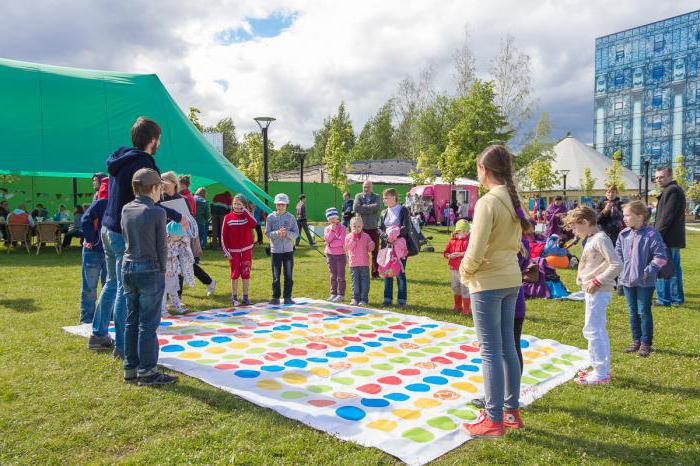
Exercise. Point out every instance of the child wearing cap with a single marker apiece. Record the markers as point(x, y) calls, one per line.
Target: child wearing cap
point(180, 263)
point(237, 243)
point(334, 235)
point(454, 252)
point(281, 229)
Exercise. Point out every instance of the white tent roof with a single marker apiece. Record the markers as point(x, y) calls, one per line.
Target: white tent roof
point(571, 154)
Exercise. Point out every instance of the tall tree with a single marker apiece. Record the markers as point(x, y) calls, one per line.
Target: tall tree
point(540, 175)
point(464, 66)
point(587, 181)
point(411, 98)
point(250, 156)
point(376, 140)
point(539, 144)
point(321, 136)
point(680, 174)
point(512, 81)
point(286, 157)
point(614, 172)
point(336, 158)
point(193, 116)
point(227, 128)
point(433, 125)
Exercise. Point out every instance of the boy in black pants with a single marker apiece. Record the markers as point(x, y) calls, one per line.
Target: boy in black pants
point(143, 228)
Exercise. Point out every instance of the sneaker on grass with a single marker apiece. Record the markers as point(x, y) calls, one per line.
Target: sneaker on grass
point(157, 378)
point(100, 343)
point(211, 288)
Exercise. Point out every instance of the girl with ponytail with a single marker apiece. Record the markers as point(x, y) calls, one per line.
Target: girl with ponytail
point(491, 271)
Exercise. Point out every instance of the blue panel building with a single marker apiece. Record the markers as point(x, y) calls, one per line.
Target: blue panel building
point(647, 93)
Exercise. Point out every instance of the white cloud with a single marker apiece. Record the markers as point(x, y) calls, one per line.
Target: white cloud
point(355, 51)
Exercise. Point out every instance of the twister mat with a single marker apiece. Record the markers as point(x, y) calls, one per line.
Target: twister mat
point(397, 382)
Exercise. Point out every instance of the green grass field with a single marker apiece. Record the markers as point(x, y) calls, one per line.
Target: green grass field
point(60, 403)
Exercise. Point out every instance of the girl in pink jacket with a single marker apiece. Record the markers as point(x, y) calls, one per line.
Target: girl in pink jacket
point(359, 246)
point(334, 235)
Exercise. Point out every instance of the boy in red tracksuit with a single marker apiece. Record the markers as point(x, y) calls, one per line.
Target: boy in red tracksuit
point(454, 252)
point(237, 243)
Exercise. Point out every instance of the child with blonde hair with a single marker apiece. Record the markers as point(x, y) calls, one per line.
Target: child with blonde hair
point(359, 246)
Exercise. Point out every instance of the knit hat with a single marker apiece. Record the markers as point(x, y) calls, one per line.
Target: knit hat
point(174, 229)
point(462, 225)
point(331, 212)
point(281, 198)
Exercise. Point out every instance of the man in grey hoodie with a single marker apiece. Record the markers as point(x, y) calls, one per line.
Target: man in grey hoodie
point(367, 205)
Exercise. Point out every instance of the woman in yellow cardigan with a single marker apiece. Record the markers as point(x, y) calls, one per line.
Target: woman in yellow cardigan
point(490, 269)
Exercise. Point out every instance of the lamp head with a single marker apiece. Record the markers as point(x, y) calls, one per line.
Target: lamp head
point(263, 122)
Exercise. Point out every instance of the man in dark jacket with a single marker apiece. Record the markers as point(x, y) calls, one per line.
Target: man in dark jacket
point(670, 223)
point(121, 165)
point(367, 205)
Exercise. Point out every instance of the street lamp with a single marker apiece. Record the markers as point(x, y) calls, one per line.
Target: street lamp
point(264, 123)
point(645, 164)
point(301, 155)
point(564, 173)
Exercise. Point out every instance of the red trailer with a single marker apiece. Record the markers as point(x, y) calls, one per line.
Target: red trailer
point(435, 195)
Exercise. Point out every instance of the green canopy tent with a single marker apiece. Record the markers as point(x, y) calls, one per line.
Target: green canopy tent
point(58, 121)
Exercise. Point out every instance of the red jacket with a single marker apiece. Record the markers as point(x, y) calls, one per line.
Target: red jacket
point(237, 232)
point(456, 245)
point(187, 194)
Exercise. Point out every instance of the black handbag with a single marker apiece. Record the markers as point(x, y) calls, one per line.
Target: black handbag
point(668, 270)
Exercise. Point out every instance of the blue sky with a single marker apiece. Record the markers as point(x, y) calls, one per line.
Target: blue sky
point(256, 28)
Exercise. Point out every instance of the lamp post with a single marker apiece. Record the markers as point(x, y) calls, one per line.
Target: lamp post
point(564, 173)
point(645, 163)
point(264, 123)
point(301, 155)
point(639, 179)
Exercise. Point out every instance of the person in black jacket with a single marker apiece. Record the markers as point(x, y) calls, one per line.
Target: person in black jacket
point(670, 223)
point(610, 214)
point(395, 214)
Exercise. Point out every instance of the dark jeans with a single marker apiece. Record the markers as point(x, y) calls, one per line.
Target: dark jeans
point(304, 226)
point(93, 269)
point(374, 234)
point(259, 233)
point(199, 272)
point(217, 222)
point(69, 236)
point(203, 228)
point(641, 321)
point(389, 287)
point(670, 290)
point(281, 261)
point(517, 332)
point(144, 284)
point(360, 283)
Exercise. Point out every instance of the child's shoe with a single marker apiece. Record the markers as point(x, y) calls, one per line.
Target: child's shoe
point(511, 419)
point(362, 303)
point(591, 378)
point(211, 287)
point(466, 306)
point(485, 428)
point(331, 298)
point(275, 301)
point(246, 300)
point(645, 350)
point(354, 302)
point(157, 378)
point(234, 300)
point(458, 303)
point(633, 347)
point(178, 311)
point(339, 298)
point(386, 303)
point(289, 301)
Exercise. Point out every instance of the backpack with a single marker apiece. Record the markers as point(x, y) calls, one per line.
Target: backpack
point(389, 265)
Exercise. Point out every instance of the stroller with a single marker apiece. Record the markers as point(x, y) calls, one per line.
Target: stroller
point(424, 241)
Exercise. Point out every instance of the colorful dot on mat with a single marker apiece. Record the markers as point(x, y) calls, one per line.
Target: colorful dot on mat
point(432, 349)
point(300, 325)
point(246, 374)
point(352, 339)
point(190, 355)
point(162, 341)
point(321, 403)
point(292, 395)
point(425, 403)
point(226, 367)
point(416, 331)
point(317, 346)
point(386, 339)
point(261, 331)
point(468, 368)
point(442, 423)
point(400, 360)
point(372, 344)
point(297, 352)
point(336, 354)
point(456, 355)
point(271, 368)
point(547, 350)
point(343, 380)
point(371, 388)
point(166, 324)
point(391, 350)
point(227, 330)
point(237, 345)
point(319, 388)
point(524, 343)
point(435, 380)
point(452, 373)
point(397, 397)
point(406, 414)
point(390, 380)
point(465, 414)
point(382, 366)
point(318, 360)
point(422, 341)
point(469, 348)
point(215, 350)
point(182, 337)
point(384, 425)
point(294, 378)
point(419, 435)
point(479, 379)
point(539, 374)
point(441, 360)
point(355, 349)
point(409, 372)
point(299, 363)
point(280, 328)
point(320, 371)
point(464, 386)
point(251, 362)
point(477, 360)
point(197, 343)
point(374, 402)
point(362, 372)
point(273, 356)
point(269, 385)
point(418, 387)
point(367, 335)
point(375, 354)
point(220, 339)
point(529, 380)
point(359, 359)
point(172, 348)
point(532, 354)
point(403, 336)
point(351, 413)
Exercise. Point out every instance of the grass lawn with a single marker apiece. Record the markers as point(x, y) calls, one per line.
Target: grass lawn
point(60, 403)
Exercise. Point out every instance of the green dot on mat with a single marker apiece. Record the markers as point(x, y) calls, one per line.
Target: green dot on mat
point(319, 388)
point(457, 340)
point(551, 368)
point(207, 361)
point(232, 356)
point(297, 341)
point(418, 434)
point(571, 357)
point(255, 350)
point(343, 380)
point(348, 331)
point(539, 374)
point(292, 395)
point(392, 319)
point(277, 344)
point(364, 327)
point(400, 360)
point(561, 361)
point(442, 422)
point(187, 331)
point(382, 366)
point(415, 354)
point(529, 380)
point(466, 414)
point(432, 350)
point(444, 343)
point(378, 323)
point(362, 372)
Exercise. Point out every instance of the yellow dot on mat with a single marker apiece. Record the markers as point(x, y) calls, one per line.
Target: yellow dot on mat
point(320, 371)
point(332, 326)
point(238, 345)
point(299, 332)
point(547, 350)
point(422, 341)
point(258, 340)
point(383, 424)
point(294, 378)
point(359, 359)
point(407, 414)
point(477, 379)
point(533, 354)
point(269, 385)
point(438, 334)
point(426, 403)
point(375, 354)
point(190, 355)
point(278, 336)
point(316, 330)
point(465, 386)
point(215, 350)
point(391, 350)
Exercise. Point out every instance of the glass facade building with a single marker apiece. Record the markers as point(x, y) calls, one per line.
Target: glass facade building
point(647, 93)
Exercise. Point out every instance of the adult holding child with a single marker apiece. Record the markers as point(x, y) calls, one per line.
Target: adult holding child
point(395, 215)
point(367, 205)
point(490, 269)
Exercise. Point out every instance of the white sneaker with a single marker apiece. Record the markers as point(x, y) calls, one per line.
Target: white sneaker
point(211, 287)
point(353, 302)
point(331, 298)
point(362, 303)
point(339, 298)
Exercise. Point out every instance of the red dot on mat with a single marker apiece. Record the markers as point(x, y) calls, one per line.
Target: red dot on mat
point(469, 349)
point(390, 380)
point(316, 315)
point(321, 403)
point(456, 355)
point(227, 330)
point(226, 367)
point(368, 335)
point(182, 337)
point(266, 324)
point(409, 323)
point(441, 360)
point(298, 318)
point(162, 341)
point(409, 372)
point(316, 346)
point(251, 362)
point(353, 339)
point(371, 388)
point(275, 356)
point(296, 352)
point(397, 327)
point(383, 331)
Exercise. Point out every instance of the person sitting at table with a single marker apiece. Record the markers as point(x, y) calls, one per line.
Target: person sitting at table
point(19, 216)
point(74, 229)
point(63, 217)
point(4, 212)
point(40, 212)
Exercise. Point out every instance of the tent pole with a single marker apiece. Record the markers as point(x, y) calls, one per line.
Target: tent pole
point(75, 192)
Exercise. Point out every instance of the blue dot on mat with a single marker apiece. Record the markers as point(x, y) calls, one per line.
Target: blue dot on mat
point(246, 374)
point(359, 314)
point(300, 363)
point(318, 360)
point(220, 315)
point(452, 373)
point(374, 402)
point(272, 368)
point(355, 349)
point(220, 339)
point(300, 325)
point(386, 339)
point(416, 330)
point(372, 344)
point(239, 313)
point(262, 331)
point(397, 396)
point(282, 327)
point(403, 336)
point(418, 387)
point(166, 324)
point(435, 380)
point(337, 354)
point(468, 368)
point(429, 325)
point(351, 413)
point(524, 343)
point(198, 343)
point(172, 348)
point(477, 360)
point(203, 318)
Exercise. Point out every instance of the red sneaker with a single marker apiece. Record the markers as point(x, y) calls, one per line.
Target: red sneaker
point(485, 428)
point(467, 306)
point(458, 303)
point(511, 419)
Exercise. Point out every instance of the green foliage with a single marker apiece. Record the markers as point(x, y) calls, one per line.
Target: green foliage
point(193, 116)
point(227, 128)
point(341, 119)
point(434, 124)
point(680, 174)
point(425, 168)
point(614, 172)
point(587, 181)
point(337, 156)
point(250, 156)
point(286, 158)
point(539, 144)
point(8, 179)
point(376, 140)
point(540, 175)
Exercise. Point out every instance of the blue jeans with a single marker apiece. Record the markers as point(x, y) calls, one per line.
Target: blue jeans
point(93, 270)
point(494, 316)
point(401, 281)
point(670, 290)
point(360, 283)
point(112, 301)
point(281, 261)
point(641, 321)
point(203, 228)
point(144, 284)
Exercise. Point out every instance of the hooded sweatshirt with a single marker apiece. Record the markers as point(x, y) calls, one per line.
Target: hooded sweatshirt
point(491, 260)
point(121, 166)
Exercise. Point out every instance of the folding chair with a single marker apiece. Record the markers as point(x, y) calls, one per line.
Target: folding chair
point(48, 233)
point(19, 234)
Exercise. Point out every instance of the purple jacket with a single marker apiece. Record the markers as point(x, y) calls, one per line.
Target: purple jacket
point(550, 217)
point(523, 262)
point(643, 254)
